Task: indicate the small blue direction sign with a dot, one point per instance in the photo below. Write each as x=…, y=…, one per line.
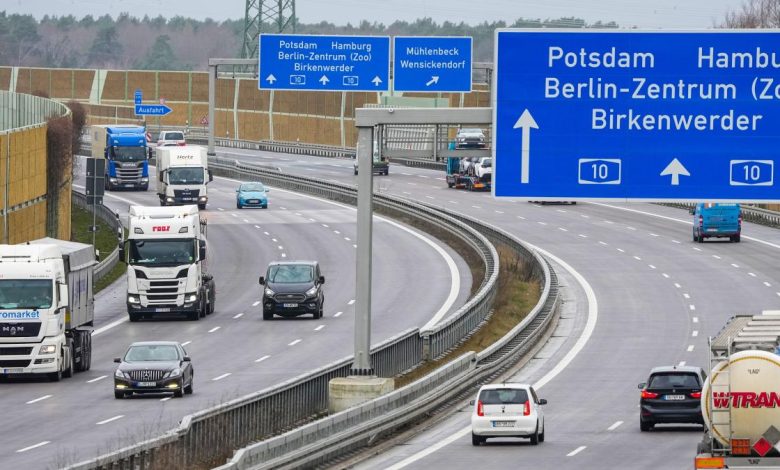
x=426, y=63
x=139, y=97
x=635, y=115
x=152, y=110
x=324, y=63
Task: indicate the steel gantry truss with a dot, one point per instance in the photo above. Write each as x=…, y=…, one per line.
x=266, y=16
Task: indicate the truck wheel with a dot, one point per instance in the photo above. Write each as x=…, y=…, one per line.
x=145, y=187
x=450, y=185
x=68, y=372
x=55, y=376
x=212, y=302
x=194, y=315
x=356, y=171
x=202, y=207
x=162, y=202
x=134, y=317
x=86, y=355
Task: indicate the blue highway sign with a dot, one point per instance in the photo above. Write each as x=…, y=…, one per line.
x=152, y=110
x=661, y=116
x=427, y=63
x=324, y=63
x=139, y=97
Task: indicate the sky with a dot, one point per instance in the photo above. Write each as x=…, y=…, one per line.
x=666, y=14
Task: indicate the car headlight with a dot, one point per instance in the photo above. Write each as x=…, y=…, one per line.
x=311, y=292
x=48, y=349
x=203, y=198
x=269, y=292
x=191, y=297
x=119, y=374
x=113, y=180
x=144, y=180
x=133, y=299
x=169, y=199
x=173, y=373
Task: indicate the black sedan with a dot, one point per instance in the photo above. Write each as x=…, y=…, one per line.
x=671, y=395
x=154, y=367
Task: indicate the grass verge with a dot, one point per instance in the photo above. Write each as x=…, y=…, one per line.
x=105, y=241
x=517, y=294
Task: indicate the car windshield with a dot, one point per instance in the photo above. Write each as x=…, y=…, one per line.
x=25, y=293
x=253, y=187
x=674, y=380
x=503, y=396
x=162, y=252
x=290, y=274
x=173, y=136
x=470, y=131
x=487, y=163
x=152, y=352
x=128, y=154
x=193, y=175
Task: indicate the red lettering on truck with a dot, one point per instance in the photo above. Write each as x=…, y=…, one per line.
x=746, y=399
x=161, y=228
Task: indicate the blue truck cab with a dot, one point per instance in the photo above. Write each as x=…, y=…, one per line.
x=716, y=220
x=125, y=150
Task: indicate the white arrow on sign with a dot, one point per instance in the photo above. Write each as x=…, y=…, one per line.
x=526, y=122
x=376, y=81
x=434, y=79
x=675, y=168
x=270, y=79
x=324, y=80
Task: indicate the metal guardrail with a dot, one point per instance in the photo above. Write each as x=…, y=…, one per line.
x=103, y=213
x=20, y=110
x=750, y=213
x=209, y=436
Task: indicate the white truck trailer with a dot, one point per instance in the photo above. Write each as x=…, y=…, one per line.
x=166, y=263
x=182, y=175
x=741, y=398
x=46, y=308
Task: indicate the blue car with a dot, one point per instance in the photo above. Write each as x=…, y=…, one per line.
x=716, y=220
x=252, y=195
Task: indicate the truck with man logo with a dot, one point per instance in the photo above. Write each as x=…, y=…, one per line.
x=126, y=153
x=166, y=263
x=46, y=308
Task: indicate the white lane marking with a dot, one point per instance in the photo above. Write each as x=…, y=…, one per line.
x=521, y=217
x=214, y=329
x=631, y=228
x=319, y=328
x=582, y=236
x=274, y=240
x=283, y=208
x=687, y=296
x=696, y=249
x=347, y=239
x=337, y=314
x=257, y=226
x=603, y=243
x=561, y=211
x=677, y=285
x=637, y=258
x=109, y=326
x=676, y=241
x=295, y=342
x=186, y=343
x=325, y=225
x=430, y=197
x=695, y=319
x=681, y=364
x=608, y=222
x=351, y=302
x=562, y=229
x=476, y=207
x=621, y=250
x=354, y=246
x=542, y=223
x=654, y=234
x=585, y=216
x=587, y=332
x=407, y=193
x=767, y=284
x=234, y=215
x=576, y=451
x=752, y=274
x=453, y=202
x=312, y=220
x=716, y=256
x=778, y=294
x=261, y=359
x=499, y=212
x=735, y=265
x=280, y=247
x=651, y=266
x=165, y=399
x=284, y=255
x=238, y=315
x=337, y=232
x=690, y=348
x=412, y=184
x=614, y=426
x=96, y=379
x=255, y=303
x=665, y=275
x=220, y=209
x=246, y=221
x=692, y=307
x=34, y=446
x=220, y=377
x=39, y=399
x=114, y=418
x=298, y=214
x=267, y=233
x=695, y=333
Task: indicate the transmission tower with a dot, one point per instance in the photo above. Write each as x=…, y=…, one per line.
x=266, y=16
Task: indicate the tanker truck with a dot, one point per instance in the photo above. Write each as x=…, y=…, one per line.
x=740, y=399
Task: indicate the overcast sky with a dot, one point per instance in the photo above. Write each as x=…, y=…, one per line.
x=642, y=13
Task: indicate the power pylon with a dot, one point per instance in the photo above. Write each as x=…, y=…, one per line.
x=266, y=16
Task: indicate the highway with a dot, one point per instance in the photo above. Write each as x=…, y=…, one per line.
x=234, y=351
x=658, y=296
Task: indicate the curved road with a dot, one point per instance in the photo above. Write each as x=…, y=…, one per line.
x=659, y=296
x=234, y=351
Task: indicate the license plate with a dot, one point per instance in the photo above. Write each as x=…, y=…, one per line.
x=14, y=370
x=674, y=397
x=129, y=185
x=289, y=305
x=147, y=384
x=503, y=424
x=712, y=230
x=253, y=201
x=162, y=310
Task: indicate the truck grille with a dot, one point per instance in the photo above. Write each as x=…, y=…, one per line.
x=289, y=297
x=186, y=194
x=14, y=363
x=15, y=351
x=147, y=375
x=162, y=291
x=26, y=329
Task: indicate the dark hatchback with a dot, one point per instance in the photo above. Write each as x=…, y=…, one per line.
x=293, y=288
x=671, y=395
x=154, y=367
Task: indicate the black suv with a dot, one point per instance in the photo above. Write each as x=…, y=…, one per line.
x=671, y=394
x=293, y=288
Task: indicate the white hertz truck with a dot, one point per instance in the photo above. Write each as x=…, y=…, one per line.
x=166, y=263
x=740, y=399
x=46, y=308
x=182, y=175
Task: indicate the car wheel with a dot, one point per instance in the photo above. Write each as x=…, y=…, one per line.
x=735, y=238
x=178, y=393
x=267, y=315
x=189, y=388
x=695, y=238
x=645, y=426
x=356, y=171
x=541, y=436
x=476, y=440
x=535, y=436
x=119, y=395
x=238, y=205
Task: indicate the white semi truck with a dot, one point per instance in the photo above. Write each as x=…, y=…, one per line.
x=166, y=263
x=46, y=308
x=182, y=175
x=741, y=398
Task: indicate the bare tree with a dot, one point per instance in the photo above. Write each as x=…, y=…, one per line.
x=755, y=14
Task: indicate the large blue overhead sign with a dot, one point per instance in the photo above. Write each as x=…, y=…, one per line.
x=676, y=116
x=438, y=64
x=324, y=63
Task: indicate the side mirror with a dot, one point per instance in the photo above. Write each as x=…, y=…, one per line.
x=187, y=359
x=238, y=190
x=63, y=294
x=267, y=190
x=148, y=153
x=211, y=176
x=542, y=401
x=692, y=211
x=641, y=386
x=202, y=251
x=160, y=175
x=261, y=281
x=322, y=279
x=471, y=403
x=122, y=252
x=117, y=360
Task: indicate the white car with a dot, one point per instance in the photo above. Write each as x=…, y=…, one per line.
x=171, y=138
x=507, y=410
x=484, y=168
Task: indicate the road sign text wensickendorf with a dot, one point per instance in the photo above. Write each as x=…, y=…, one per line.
x=684, y=116
x=324, y=63
x=424, y=63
